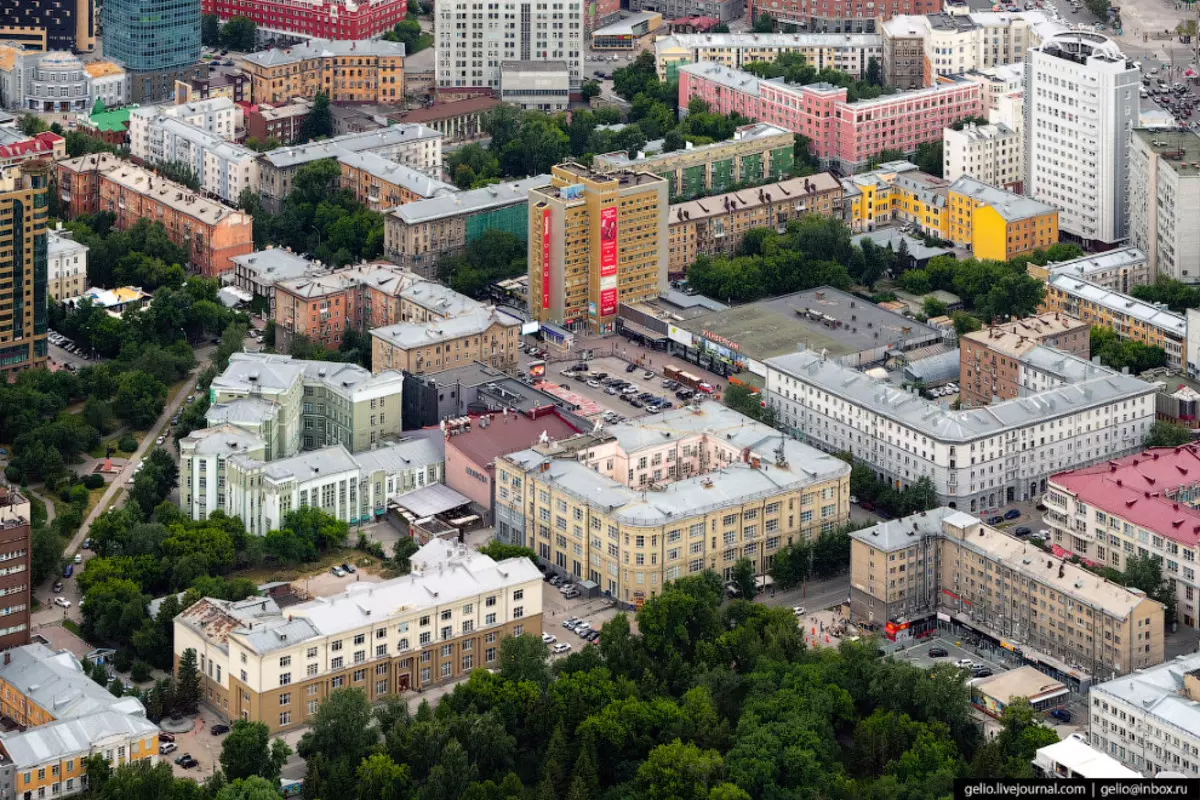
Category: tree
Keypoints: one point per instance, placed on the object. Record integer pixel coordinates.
(210, 30)
(187, 683)
(929, 157)
(239, 34)
(523, 658)
(934, 308)
(590, 89)
(382, 778)
(319, 122)
(964, 323)
(253, 788)
(679, 771)
(499, 551)
(140, 398)
(763, 23)
(405, 548)
(341, 729)
(875, 75)
(1144, 571)
(248, 750)
(1168, 434)
(1099, 8)
(743, 578)
(408, 32)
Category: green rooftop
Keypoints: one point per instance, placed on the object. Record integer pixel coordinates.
(116, 120)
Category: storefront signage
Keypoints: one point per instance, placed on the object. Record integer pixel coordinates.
(608, 261)
(545, 258)
(721, 340)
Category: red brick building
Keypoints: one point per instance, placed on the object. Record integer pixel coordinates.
(15, 546)
(337, 19)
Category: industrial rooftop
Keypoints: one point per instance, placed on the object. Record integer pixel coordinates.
(469, 202)
(1180, 150)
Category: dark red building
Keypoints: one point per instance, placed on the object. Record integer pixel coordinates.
(332, 20)
(15, 591)
(839, 16)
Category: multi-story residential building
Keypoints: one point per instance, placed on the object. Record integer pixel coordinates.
(347, 21)
(990, 154)
(195, 136)
(364, 71)
(16, 548)
(1149, 721)
(480, 334)
(234, 85)
(39, 25)
(1119, 270)
(722, 10)
(843, 134)
(412, 145)
(958, 43)
(870, 198)
(1137, 320)
(284, 123)
(717, 225)
(978, 459)
(827, 16)
(380, 184)
(158, 41)
(850, 53)
(62, 718)
(24, 223)
(1078, 162)
(536, 85)
(998, 224)
(17, 148)
(526, 31)
(213, 233)
(66, 265)
(906, 574)
(756, 153)
(1143, 504)
(997, 82)
(315, 403)
(1164, 201)
(904, 51)
(639, 504)
(258, 272)
(435, 625)
(418, 235)
(583, 220)
(991, 360)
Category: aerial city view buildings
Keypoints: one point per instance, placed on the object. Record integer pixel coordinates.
(679, 399)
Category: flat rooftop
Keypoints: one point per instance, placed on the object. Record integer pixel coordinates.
(1028, 682)
(1019, 336)
(624, 27)
(1179, 149)
(763, 41)
(778, 325)
(469, 202)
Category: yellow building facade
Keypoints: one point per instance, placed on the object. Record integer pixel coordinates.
(997, 224)
(367, 71)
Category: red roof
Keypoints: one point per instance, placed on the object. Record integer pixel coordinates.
(1139, 488)
(42, 143)
(508, 433)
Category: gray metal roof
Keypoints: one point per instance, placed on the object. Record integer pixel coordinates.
(625, 26)
(1099, 262)
(275, 263)
(295, 155)
(70, 737)
(318, 48)
(436, 498)
(417, 452)
(470, 202)
(221, 440)
(940, 368)
(1157, 691)
(746, 133)
(406, 335)
(900, 533)
(304, 466)
(765, 41)
(1161, 318)
(1007, 204)
(244, 411)
(931, 419)
(387, 170)
(55, 682)
(891, 237)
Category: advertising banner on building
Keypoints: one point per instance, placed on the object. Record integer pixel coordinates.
(545, 258)
(608, 261)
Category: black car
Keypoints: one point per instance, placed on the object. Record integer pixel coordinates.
(217, 730)
(182, 757)
(683, 394)
(631, 368)
(982, 672)
(1061, 714)
(625, 398)
(1023, 530)
(189, 763)
(1012, 513)
(996, 519)
(636, 403)
(938, 652)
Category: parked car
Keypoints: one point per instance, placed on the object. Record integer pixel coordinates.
(182, 757)
(165, 748)
(57, 587)
(594, 384)
(62, 602)
(572, 593)
(189, 763)
(1012, 513)
(69, 570)
(337, 572)
(217, 730)
(348, 567)
(78, 558)
(592, 635)
(938, 652)
(549, 638)
(631, 368)
(648, 375)
(560, 648)
(1061, 714)
(799, 611)
(982, 672)
(1023, 530)
(569, 621)
(964, 663)
(995, 519)
(164, 736)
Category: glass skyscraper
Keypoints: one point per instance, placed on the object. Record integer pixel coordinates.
(152, 35)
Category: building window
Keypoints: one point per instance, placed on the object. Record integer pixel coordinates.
(285, 718)
(285, 699)
(285, 678)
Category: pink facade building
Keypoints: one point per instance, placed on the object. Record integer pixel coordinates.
(844, 135)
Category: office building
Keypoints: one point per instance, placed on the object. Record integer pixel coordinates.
(1164, 201)
(1137, 320)
(633, 506)
(109, 83)
(32, 80)
(470, 56)
(66, 265)
(359, 71)
(757, 152)
(536, 85)
(1119, 270)
(213, 233)
(24, 221)
(827, 16)
(157, 41)
(846, 53)
(61, 718)
(717, 225)
(430, 627)
(307, 405)
(1150, 721)
(958, 43)
(49, 24)
(906, 574)
(219, 116)
(843, 134)
(16, 547)
(579, 224)
(203, 454)
(998, 224)
(379, 183)
(1078, 162)
(480, 334)
(707, 10)
(261, 492)
(978, 459)
(992, 362)
(318, 21)
(414, 146)
(990, 154)
(1143, 504)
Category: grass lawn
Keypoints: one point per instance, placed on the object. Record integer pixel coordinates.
(94, 496)
(73, 627)
(99, 450)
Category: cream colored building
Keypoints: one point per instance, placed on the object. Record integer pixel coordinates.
(991, 154)
(432, 345)
(906, 574)
(67, 265)
(647, 501)
(437, 624)
(841, 51)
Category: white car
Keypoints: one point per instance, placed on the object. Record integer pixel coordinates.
(799, 611)
(62, 602)
(594, 384)
(79, 558)
(560, 648)
(160, 440)
(964, 663)
(549, 638)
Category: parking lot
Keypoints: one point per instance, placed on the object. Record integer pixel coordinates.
(615, 387)
(918, 655)
(556, 609)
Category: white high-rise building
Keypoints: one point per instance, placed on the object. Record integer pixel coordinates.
(475, 36)
(1164, 201)
(1081, 102)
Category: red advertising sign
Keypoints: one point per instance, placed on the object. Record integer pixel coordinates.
(608, 302)
(545, 258)
(608, 241)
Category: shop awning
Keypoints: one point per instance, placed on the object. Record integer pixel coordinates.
(428, 501)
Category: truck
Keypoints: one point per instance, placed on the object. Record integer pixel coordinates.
(687, 379)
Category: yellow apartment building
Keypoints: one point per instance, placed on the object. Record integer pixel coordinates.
(363, 71)
(998, 224)
(869, 198)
